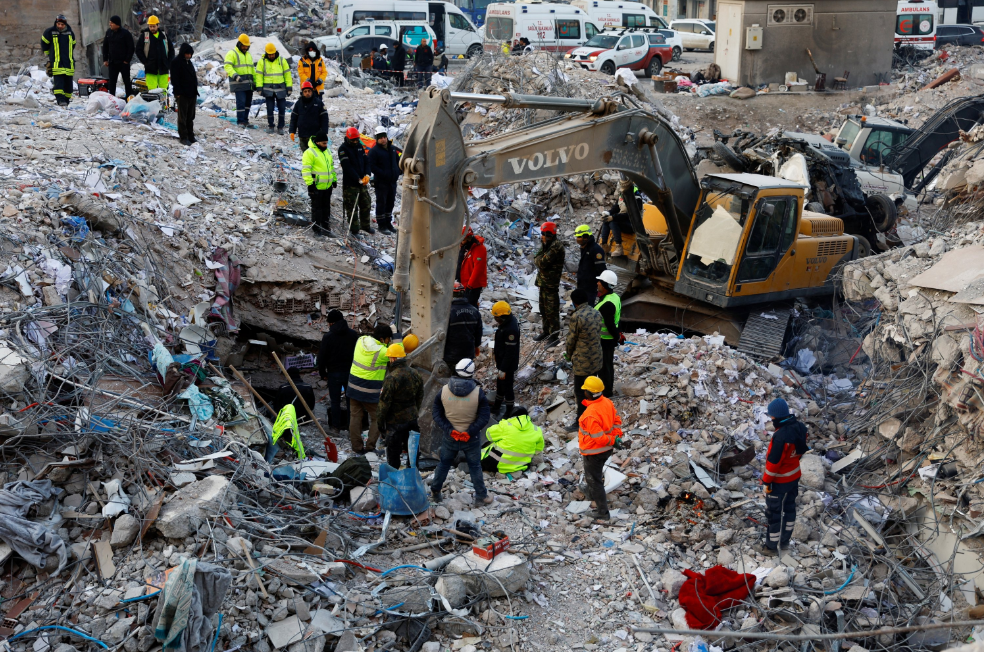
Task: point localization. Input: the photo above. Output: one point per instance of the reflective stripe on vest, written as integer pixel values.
(784, 475)
(596, 451)
(514, 457)
(613, 299)
(279, 74)
(244, 62)
(367, 364)
(597, 434)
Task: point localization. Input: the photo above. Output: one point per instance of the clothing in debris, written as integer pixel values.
(30, 539)
(464, 332)
(589, 266)
(117, 52)
(192, 595)
(705, 596)
(512, 444)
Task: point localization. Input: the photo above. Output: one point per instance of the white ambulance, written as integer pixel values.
(548, 26)
(611, 13)
(915, 24)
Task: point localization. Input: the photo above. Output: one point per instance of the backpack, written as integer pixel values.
(353, 472)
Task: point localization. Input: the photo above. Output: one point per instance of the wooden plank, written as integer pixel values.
(104, 559)
(151, 516)
(318, 547)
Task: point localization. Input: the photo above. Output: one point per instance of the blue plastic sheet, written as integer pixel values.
(403, 492)
(200, 404)
(76, 228)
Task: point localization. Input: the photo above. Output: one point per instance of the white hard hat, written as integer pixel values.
(381, 131)
(383, 47)
(608, 278)
(465, 368)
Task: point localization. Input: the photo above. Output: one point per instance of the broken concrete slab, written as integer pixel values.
(188, 509)
(125, 530)
(508, 573)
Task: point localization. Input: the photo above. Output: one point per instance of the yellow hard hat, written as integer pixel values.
(153, 20)
(396, 351)
(244, 39)
(500, 308)
(582, 230)
(270, 48)
(593, 384)
(410, 342)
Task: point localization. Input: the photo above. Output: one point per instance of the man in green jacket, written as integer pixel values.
(512, 444)
(318, 169)
(399, 403)
(274, 81)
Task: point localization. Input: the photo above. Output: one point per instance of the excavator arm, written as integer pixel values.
(439, 167)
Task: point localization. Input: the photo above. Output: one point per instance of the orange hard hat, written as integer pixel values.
(351, 132)
(549, 227)
(307, 84)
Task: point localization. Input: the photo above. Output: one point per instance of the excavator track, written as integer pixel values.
(764, 334)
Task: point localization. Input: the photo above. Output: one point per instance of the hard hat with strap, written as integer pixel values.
(582, 230)
(153, 20)
(501, 308)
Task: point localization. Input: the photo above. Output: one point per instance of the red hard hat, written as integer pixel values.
(467, 229)
(351, 132)
(549, 227)
(307, 84)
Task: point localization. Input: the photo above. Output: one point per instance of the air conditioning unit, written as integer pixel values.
(781, 15)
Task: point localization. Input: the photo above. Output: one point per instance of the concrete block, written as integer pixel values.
(180, 480)
(413, 599)
(453, 589)
(125, 530)
(190, 507)
(291, 571)
(672, 581)
(814, 473)
(118, 631)
(511, 571)
(363, 499)
(287, 631)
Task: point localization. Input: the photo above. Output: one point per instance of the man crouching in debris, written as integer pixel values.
(461, 411)
(782, 474)
(598, 434)
(399, 403)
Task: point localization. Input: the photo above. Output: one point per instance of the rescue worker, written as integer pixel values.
(616, 222)
(334, 362)
(398, 63)
(384, 162)
(464, 329)
(583, 346)
(512, 444)
(355, 183)
(273, 80)
(506, 354)
(184, 83)
(117, 54)
(423, 62)
(241, 73)
(591, 263)
(308, 116)
(782, 474)
(365, 384)
(549, 263)
(286, 396)
(399, 403)
(461, 411)
(473, 261)
(58, 44)
(598, 433)
(318, 169)
(155, 51)
(311, 68)
(610, 308)
(379, 62)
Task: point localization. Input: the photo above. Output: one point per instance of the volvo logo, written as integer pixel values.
(549, 158)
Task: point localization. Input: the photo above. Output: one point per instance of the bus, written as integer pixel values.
(474, 9)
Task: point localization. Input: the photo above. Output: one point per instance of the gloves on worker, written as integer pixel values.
(365, 180)
(606, 216)
(618, 443)
(459, 435)
(311, 189)
(292, 137)
(565, 356)
(333, 184)
(49, 68)
(478, 352)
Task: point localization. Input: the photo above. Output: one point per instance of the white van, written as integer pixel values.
(551, 27)
(611, 13)
(455, 33)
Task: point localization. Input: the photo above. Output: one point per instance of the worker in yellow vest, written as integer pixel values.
(610, 307)
(512, 443)
(366, 384)
(273, 80)
(240, 70)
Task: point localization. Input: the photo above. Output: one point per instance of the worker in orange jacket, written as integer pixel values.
(598, 434)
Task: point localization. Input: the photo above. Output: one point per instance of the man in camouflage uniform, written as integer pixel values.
(399, 403)
(549, 262)
(583, 346)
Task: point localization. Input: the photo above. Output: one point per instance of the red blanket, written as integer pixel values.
(704, 596)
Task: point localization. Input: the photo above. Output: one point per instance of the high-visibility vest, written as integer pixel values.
(272, 75)
(318, 167)
(238, 63)
(513, 442)
(368, 370)
(614, 299)
(287, 420)
(598, 427)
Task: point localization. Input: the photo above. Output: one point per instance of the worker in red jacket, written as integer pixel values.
(782, 474)
(472, 265)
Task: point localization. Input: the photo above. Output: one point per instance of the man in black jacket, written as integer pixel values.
(385, 165)
(308, 116)
(117, 54)
(155, 51)
(335, 361)
(355, 182)
(591, 263)
(423, 62)
(285, 394)
(184, 81)
(464, 329)
(506, 353)
(398, 62)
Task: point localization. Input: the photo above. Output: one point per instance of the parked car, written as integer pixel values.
(633, 48)
(959, 35)
(674, 41)
(361, 38)
(696, 34)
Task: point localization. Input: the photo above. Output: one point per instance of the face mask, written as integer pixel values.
(312, 53)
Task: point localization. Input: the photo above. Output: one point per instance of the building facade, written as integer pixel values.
(673, 9)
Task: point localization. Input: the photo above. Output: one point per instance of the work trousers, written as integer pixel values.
(550, 310)
(504, 390)
(357, 206)
(244, 99)
(320, 207)
(61, 86)
(158, 81)
(615, 230)
(117, 68)
(303, 142)
(473, 457)
(594, 477)
(337, 380)
(780, 509)
(385, 199)
(397, 442)
(607, 373)
(281, 104)
(473, 295)
(356, 410)
(186, 117)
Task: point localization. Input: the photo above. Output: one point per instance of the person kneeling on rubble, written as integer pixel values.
(318, 169)
(782, 474)
(399, 403)
(512, 444)
(461, 411)
(598, 434)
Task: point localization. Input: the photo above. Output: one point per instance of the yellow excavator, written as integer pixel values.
(707, 256)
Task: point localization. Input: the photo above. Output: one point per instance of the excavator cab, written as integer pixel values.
(751, 242)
